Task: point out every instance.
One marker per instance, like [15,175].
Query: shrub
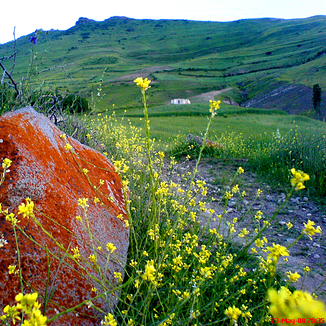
[75,104]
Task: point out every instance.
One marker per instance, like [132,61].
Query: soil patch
[145,72]
[209,95]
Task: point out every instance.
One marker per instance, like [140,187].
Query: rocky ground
[298,210]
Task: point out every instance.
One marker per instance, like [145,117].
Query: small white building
[180,101]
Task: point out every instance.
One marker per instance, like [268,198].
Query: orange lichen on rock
[54,178]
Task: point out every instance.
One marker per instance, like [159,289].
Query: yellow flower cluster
[26,306]
[68,147]
[214,106]
[12,219]
[110,247]
[76,253]
[298,304]
[83,202]
[277,251]
[26,210]
[293,277]
[6,163]
[12,269]
[310,230]
[149,274]
[298,179]
[109,320]
[143,83]
[233,313]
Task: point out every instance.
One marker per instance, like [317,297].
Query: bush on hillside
[75,104]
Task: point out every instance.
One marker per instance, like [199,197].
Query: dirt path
[141,73]
[209,95]
[298,210]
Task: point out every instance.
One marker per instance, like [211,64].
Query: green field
[169,122]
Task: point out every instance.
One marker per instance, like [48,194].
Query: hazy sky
[28,15]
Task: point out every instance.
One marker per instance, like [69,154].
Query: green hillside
[259,58]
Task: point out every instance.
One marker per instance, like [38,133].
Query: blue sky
[28,15]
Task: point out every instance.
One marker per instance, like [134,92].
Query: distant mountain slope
[183,58]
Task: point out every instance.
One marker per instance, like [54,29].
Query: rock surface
[45,171]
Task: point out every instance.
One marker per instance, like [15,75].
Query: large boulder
[52,176]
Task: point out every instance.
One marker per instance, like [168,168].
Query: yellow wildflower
[10,313]
[11,218]
[83,202]
[161,155]
[12,269]
[93,259]
[258,215]
[298,179]
[213,106]
[235,189]
[240,170]
[150,270]
[310,230]
[109,320]
[298,304]
[243,233]
[111,247]
[118,277]
[133,263]
[289,225]
[233,313]
[137,283]
[26,302]
[76,253]
[293,277]
[143,83]
[26,210]
[68,147]
[6,163]
[228,195]
[277,251]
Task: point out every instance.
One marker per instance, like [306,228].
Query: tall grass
[273,156]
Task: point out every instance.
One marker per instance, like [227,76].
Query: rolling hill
[265,63]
